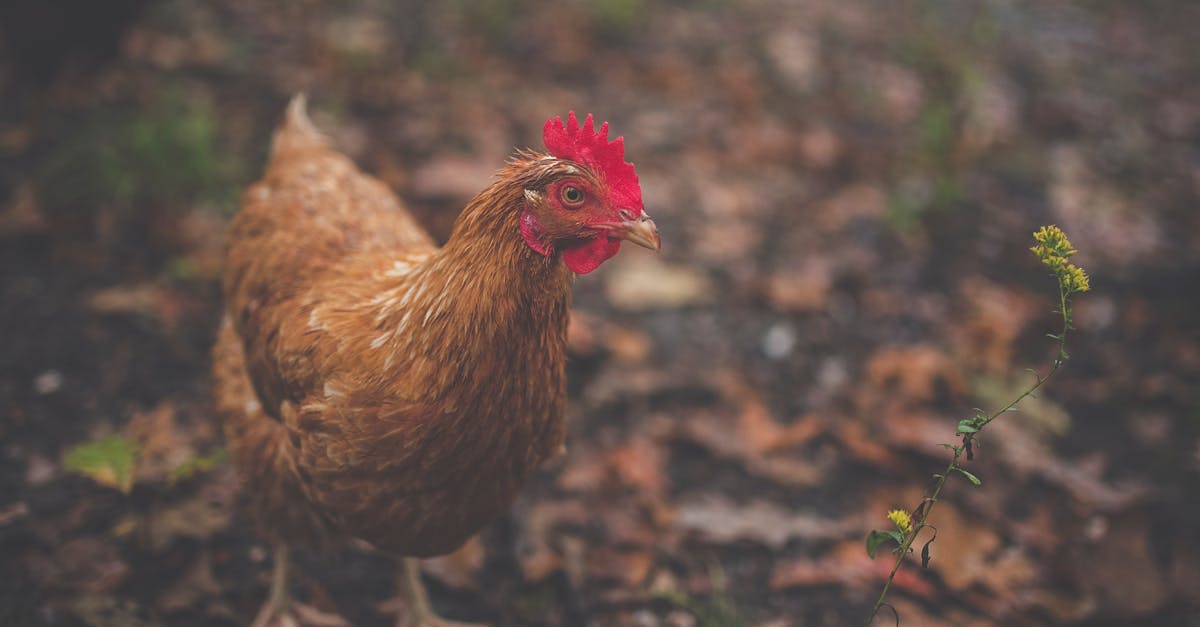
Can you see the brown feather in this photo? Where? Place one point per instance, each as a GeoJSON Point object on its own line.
{"type": "Point", "coordinates": [372, 384]}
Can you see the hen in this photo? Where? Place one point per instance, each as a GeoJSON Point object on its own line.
{"type": "Point", "coordinates": [375, 386]}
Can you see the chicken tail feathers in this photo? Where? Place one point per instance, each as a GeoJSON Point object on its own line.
{"type": "Point", "coordinates": [297, 132]}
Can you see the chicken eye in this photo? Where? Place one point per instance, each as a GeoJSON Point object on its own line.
{"type": "Point", "coordinates": [572, 195]}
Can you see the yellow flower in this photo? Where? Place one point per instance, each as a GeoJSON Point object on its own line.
{"type": "Point", "coordinates": [901, 519]}
{"type": "Point", "coordinates": [1052, 243]}
{"type": "Point", "coordinates": [1053, 249]}
{"type": "Point", "coordinates": [1076, 279]}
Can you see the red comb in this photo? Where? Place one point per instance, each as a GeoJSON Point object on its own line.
{"type": "Point", "coordinates": [590, 147]}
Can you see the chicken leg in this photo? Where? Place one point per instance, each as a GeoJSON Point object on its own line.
{"type": "Point", "coordinates": [281, 611]}
{"type": "Point", "coordinates": [417, 610]}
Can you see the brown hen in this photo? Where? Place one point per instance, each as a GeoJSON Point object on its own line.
{"type": "Point", "coordinates": [375, 386]}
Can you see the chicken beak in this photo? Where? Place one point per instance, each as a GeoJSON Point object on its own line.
{"type": "Point", "coordinates": [643, 232]}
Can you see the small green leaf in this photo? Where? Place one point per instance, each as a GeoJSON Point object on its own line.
{"type": "Point", "coordinates": [198, 465]}
{"type": "Point", "coordinates": [970, 477]}
{"type": "Point", "coordinates": [967, 426]}
{"type": "Point", "coordinates": [108, 461]}
{"type": "Point", "coordinates": [877, 537]}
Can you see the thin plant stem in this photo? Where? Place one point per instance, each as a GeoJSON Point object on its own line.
{"type": "Point", "coordinates": [928, 503]}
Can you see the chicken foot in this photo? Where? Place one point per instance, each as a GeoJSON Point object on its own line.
{"type": "Point", "coordinates": [417, 611]}
{"type": "Point", "coordinates": [281, 611]}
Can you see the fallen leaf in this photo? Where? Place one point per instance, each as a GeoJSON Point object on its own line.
{"type": "Point", "coordinates": [540, 529]}
{"type": "Point", "coordinates": [84, 565]}
{"type": "Point", "coordinates": [643, 282]}
{"type": "Point", "coordinates": [453, 176]}
{"type": "Point", "coordinates": [199, 517]}
{"type": "Point", "coordinates": [106, 610]}
{"type": "Point", "coordinates": [582, 332]}
{"type": "Point", "coordinates": [863, 445]}
{"type": "Point", "coordinates": [628, 345]}
{"type": "Point", "coordinates": [847, 565]}
{"type": "Point", "coordinates": [805, 288]}
{"type": "Point", "coordinates": [161, 447]}
{"type": "Point", "coordinates": [1021, 448]}
{"type": "Point", "coordinates": [914, 613]}
{"type": "Point", "coordinates": [145, 299]}
{"type": "Point", "coordinates": [720, 520]}
{"type": "Point", "coordinates": [1039, 411]}
{"type": "Point", "coordinates": [914, 372]}
{"type": "Point", "coordinates": [458, 569]}
{"type": "Point", "coordinates": [987, 336]}
{"type": "Point", "coordinates": [625, 566]}
{"type": "Point", "coordinates": [109, 461]}
{"type": "Point", "coordinates": [853, 202]}
{"type": "Point", "coordinates": [754, 439]}
{"type": "Point", "coordinates": [198, 584]}
{"type": "Point", "coordinates": [638, 463]}
{"type": "Point", "coordinates": [23, 217]}
{"type": "Point", "coordinates": [13, 512]}
{"type": "Point", "coordinates": [1104, 568]}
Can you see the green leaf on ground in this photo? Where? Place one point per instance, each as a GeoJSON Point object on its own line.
{"type": "Point", "coordinates": [109, 461]}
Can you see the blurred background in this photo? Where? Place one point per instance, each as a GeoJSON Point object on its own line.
{"type": "Point", "coordinates": [846, 193]}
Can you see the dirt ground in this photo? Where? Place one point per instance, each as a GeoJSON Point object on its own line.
{"type": "Point", "coordinates": [846, 192]}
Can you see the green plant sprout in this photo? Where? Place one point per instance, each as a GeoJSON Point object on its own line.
{"type": "Point", "coordinates": [718, 611]}
{"type": "Point", "coordinates": [1053, 249]}
{"type": "Point", "coordinates": [109, 461]}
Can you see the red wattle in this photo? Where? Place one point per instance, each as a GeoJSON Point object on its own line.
{"type": "Point", "coordinates": [588, 254]}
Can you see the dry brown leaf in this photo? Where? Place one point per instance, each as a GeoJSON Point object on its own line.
{"type": "Point", "coordinates": [582, 332]}
{"type": "Point", "coordinates": [22, 217]}
{"type": "Point", "coordinates": [146, 299]}
{"type": "Point", "coordinates": [1185, 568]}
{"type": "Point", "coordinates": [586, 334]}
{"type": "Point", "coordinates": [1104, 569]}
{"type": "Point", "coordinates": [454, 176]}
{"type": "Point", "coordinates": [821, 147]}
{"type": "Point", "coordinates": [998, 315]}
{"type": "Point", "coordinates": [803, 289]}
{"type": "Point", "coordinates": [863, 445]}
{"type": "Point", "coordinates": [539, 529]}
{"type": "Point", "coordinates": [847, 565]}
{"type": "Point", "coordinates": [912, 613]}
{"type": "Point", "coordinates": [640, 282]}
{"type": "Point", "coordinates": [918, 430]}
{"type": "Point", "coordinates": [915, 372]}
{"type": "Point", "coordinates": [1023, 449]}
{"type": "Point", "coordinates": [161, 447]}
{"type": "Point", "coordinates": [198, 584]}
{"type": "Point", "coordinates": [84, 565]}
{"type": "Point", "coordinates": [627, 567]}
{"type": "Point", "coordinates": [963, 551]}
{"type": "Point", "coordinates": [860, 200]}
{"type": "Point", "coordinates": [638, 463]}
{"type": "Point", "coordinates": [754, 439]}
{"type": "Point", "coordinates": [720, 520]}
{"type": "Point", "coordinates": [458, 569]}
{"type": "Point", "coordinates": [13, 512]}
{"type": "Point", "coordinates": [199, 517]}
{"type": "Point", "coordinates": [628, 345]}
{"type": "Point", "coordinates": [584, 469]}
